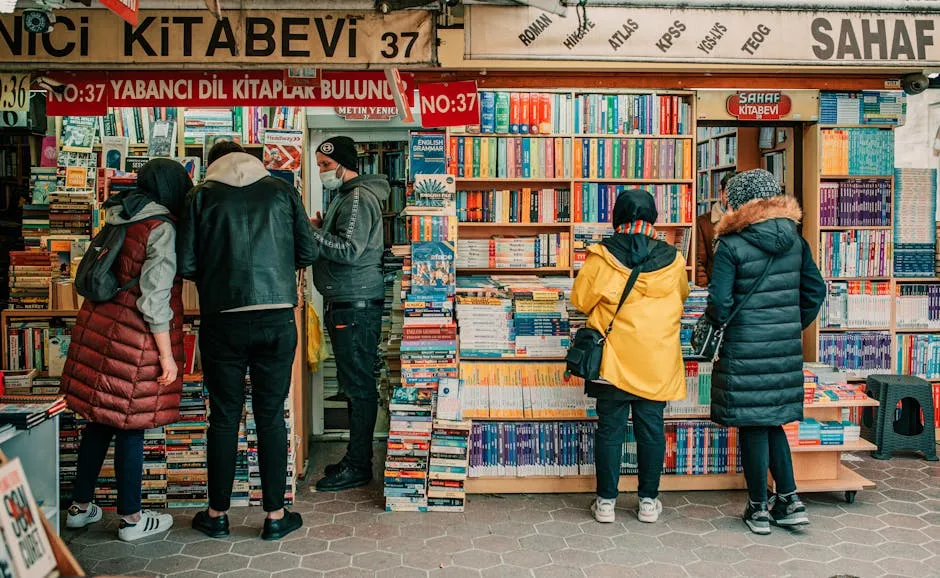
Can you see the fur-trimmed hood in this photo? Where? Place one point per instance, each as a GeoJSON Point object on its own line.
{"type": "Point", "coordinates": [770, 224]}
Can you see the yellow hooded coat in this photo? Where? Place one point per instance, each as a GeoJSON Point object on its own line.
{"type": "Point", "coordinates": [642, 354]}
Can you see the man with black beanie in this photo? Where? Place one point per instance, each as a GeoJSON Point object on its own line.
{"type": "Point", "coordinates": [348, 273]}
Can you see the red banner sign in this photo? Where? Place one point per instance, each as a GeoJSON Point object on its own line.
{"type": "Point", "coordinates": [127, 9]}
{"type": "Point", "coordinates": [449, 104]}
{"type": "Point", "coordinates": [91, 93]}
{"type": "Point", "coordinates": [759, 105]}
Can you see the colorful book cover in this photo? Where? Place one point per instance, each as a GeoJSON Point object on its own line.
{"type": "Point", "coordinates": [213, 138]}
{"type": "Point", "coordinates": [428, 154]}
{"type": "Point", "coordinates": [78, 133]}
{"type": "Point", "coordinates": [50, 152]}
{"type": "Point", "coordinates": [193, 166]}
{"type": "Point", "coordinates": [113, 152]}
{"type": "Point", "coordinates": [434, 191]}
{"type": "Point", "coordinates": [432, 271]}
{"type": "Point", "coordinates": [22, 527]}
{"type": "Point", "coordinates": [58, 352]}
{"type": "Point", "coordinates": [283, 149]}
{"type": "Point", "coordinates": [162, 139]}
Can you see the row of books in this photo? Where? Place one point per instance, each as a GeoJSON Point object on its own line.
{"type": "Point", "coordinates": [594, 202]}
{"type": "Point", "coordinates": [915, 227]}
{"type": "Point", "coordinates": [133, 123]}
{"type": "Point", "coordinates": [525, 113]}
{"type": "Point", "coordinates": [812, 432]}
{"type": "Point", "coordinates": [857, 304]}
{"type": "Point", "coordinates": [857, 253]}
{"type": "Point", "coordinates": [857, 151]}
{"type": "Point", "coordinates": [698, 391]}
{"type": "Point", "coordinates": [858, 353]}
{"type": "Point", "coordinates": [528, 252]}
{"type": "Point", "coordinates": [918, 306]}
{"type": "Point", "coordinates": [719, 152]}
{"type": "Point", "coordinates": [919, 355]}
{"type": "Point", "coordinates": [449, 464]}
{"type": "Point", "coordinates": [425, 228]}
{"type": "Point", "coordinates": [876, 107]}
{"type": "Point", "coordinates": [510, 157]}
{"type": "Point", "coordinates": [693, 448]}
{"type": "Point", "coordinates": [521, 449]}
{"type": "Point", "coordinates": [511, 390]}
{"type": "Point", "coordinates": [864, 203]}
{"type": "Point", "coordinates": [525, 205]}
{"type": "Point", "coordinates": [648, 114]}
{"type": "Point", "coordinates": [30, 278]}
{"type": "Point", "coordinates": [626, 158]}
{"type": "Point", "coordinates": [249, 122]}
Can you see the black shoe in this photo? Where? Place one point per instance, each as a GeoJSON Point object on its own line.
{"type": "Point", "coordinates": [346, 478]}
{"type": "Point", "coordinates": [212, 527]}
{"type": "Point", "coordinates": [333, 469]}
{"type": "Point", "coordinates": [757, 518]}
{"type": "Point", "coordinates": [787, 511]}
{"type": "Point", "coordinates": [277, 529]}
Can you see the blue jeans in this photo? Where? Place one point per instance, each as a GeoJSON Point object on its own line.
{"type": "Point", "coordinates": [128, 465]}
{"type": "Point", "coordinates": [612, 415]}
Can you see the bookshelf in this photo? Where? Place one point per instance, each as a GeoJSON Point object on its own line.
{"type": "Point", "coordinates": [719, 151]}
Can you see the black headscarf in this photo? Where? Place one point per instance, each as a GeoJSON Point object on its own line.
{"type": "Point", "coordinates": [163, 181]}
{"type": "Point", "coordinates": [631, 250]}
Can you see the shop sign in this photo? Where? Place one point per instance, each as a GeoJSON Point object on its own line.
{"type": "Point", "coordinates": [14, 92]}
{"type": "Point", "coordinates": [445, 104]}
{"type": "Point", "coordinates": [194, 38]}
{"type": "Point", "coordinates": [92, 93]}
{"type": "Point", "coordinates": [126, 9]}
{"type": "Point", "coordinates": [367, 112]}
{"type": "Point", "coordinates": [759, 105]}
{"type": "Point", "coordinates": [702, 35]}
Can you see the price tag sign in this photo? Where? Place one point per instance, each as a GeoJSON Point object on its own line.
{"type": "Point", "coordinates": [14, 92]}
{"type": "Point", "coordinates": [449, 104]}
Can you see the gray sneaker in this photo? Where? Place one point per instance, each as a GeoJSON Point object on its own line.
{"type": "Point", "coordinates": [757, 518]}
{"type": "Point", "coordinates": [787, 511]}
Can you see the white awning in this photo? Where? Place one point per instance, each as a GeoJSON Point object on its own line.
{"type": "Point", "coordinates": [909, 6]}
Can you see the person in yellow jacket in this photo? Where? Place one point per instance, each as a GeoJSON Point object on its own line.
{"type": "Point", "coordinates": [642, 366]}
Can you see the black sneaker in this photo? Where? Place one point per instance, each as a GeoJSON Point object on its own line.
{"type": "Point", "coordinates": [757, 518]}
{"type": "Point", "coordinates": [277, 529]}
{"type": "Point", "coordinates": [333, 469]}
{"type": "Point", "coordinates": [212, 527]}
{"type": "Point", "coordinates": [344, 479]}
{"type": "Point", "coordinates": [787, 511]}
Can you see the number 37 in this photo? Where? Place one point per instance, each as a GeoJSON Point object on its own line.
{"type": "Point", "coordinates": [391, 41]}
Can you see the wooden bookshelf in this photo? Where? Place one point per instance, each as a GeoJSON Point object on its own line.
{"type": "Point", "coordinates": [746, 156]}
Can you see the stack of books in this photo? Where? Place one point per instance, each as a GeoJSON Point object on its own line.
{"type": "Point", "coordinates": [35, 225]}
{"type": "Point", "coordinates": [524, 449]}
{"type": "Point", "coordinates": [154, 479]}
{"type": "Point", "coordinates": [406, 470]}
{"type": "Point", "coordinates": [26, 412]}
{"type": "Point", "coordinates": [449, 465]}
{"type": "Point", "coordinates": [30, 277]}
{"type": "Point", "coordinates": [486, 326]}
{"type": "Point", "coordinates": [532, 252]}
{"type": "Point", "coordinates": [692, 311]}
{"type": "Point", "coordinates": [587, 234]}
{"type": "Point", "coordinates": [698, 398]}
{"type": "Point", "coordinates": [17, 383]}
{"type": "Point", "coordinates": [510, 157]}
{"type": "Point", "coordinates": [70, 213]}
{"type": "Point", "coordinates": [918, 306]}
{"type": "Point", "coordinates": [857, 152]}
{"type": "Point", "coordinates": [70, 436]}
{"type": "Point", "coordinates": [540, 316]}
{"type": "Point", "coordinates": [810, 384]}
{"type": "Point", "coordinates": [187, 474]}
{"type": "Point", "coordinates": [199, 122]}
{"type": "Point", "coordinates": [915, 227]}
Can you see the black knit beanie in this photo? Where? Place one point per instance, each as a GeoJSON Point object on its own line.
{"type": "Point", "coordinates": [341, 149]}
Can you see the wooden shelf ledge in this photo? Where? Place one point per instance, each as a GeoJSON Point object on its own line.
{"type": "Point", "coordinates": [859, 446]}
{"type": "Point", "coordinates": [587, 484]}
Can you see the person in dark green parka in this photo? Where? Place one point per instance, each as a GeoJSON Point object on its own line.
{"type": "Point", "coordinates": [757, 382]}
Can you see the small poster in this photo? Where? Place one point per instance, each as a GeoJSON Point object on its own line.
{"type": "Point", "coordinates": [428, 154]}
{"type": "Point", "coordinates": [113, 152]}
{"type": "Point", "coordinates": [283, 149]}
{"type": "Point", "coordinates": [22, 527]}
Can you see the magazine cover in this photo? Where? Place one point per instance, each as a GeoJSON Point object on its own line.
{"type": "Point", "coordinates": [23, 532]}
{"type": "Point", "coordinates": [132, 164]}
{"type": "Point", "coordinates": [428, 154]}
{"type": "Point", "coordinates": [50, 152]}
{"type": "Point", "coordinates": [283, 149]}
{"type": "Point", "coordinates": [113, 152]}
{"type": "Point", "coordinates": [213, 138]}
{"type": "Point", "coordinates": [432, 271]}
{"type": "Point", "coordinates": [193, 166]}
{"type": "Point", "coordinates": [78, 133]}
{"type": "Point", "coordinates": [58, 352]}
{"type": "Point", "coordinates": [162, 139]}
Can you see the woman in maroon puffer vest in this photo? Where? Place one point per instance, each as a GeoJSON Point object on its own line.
{"type": "Point", "coordinates": [122, 371]}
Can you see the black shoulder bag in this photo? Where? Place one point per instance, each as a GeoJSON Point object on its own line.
{"type": "Point", "coordinates": [587, 349]}
{"type": "Point", "coordinates": [707, 337]}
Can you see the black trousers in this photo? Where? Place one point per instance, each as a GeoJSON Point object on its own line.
{"type": "Point", "coordinates": [128, 465]}
{"type": "Point", "coordinates": [354, 334]}
{"type": "Point", "coordinates": [764, 448]}
{"type": "Point", "coordinates": [263, 343]}
{"type": "Point", "coordinates": [612, 415]}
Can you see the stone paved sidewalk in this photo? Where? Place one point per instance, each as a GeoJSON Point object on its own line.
{"type": "Point", "coordinates": [891, 531]}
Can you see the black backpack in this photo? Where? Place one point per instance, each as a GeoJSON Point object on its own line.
{"type": "Point", "coordinates": [95, 280]}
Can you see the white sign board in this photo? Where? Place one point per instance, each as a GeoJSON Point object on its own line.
{"type": "Point", "coordinates": [751, 36]}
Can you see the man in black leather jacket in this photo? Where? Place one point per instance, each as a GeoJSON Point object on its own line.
{"type": "Point", "coordinates": [243, 236]}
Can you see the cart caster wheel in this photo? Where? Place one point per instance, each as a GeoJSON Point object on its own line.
{"type": "Point", "coordinates": [850, 497]}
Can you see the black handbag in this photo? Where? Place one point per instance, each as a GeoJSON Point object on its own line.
{"type": "Point", "coordinates": [587, 349]}
{"type": "Point", "coordinates": [708, 337]}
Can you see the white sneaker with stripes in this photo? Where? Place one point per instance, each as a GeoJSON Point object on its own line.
{"type": "Point", "coordinates": [150, 524]}
{"type": "Point", "coordinates": [80, 518]}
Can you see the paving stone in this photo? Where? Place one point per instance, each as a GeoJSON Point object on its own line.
{"type": "Point", "coordinates": [449, 544]}
{"type": "Point", "coordinates": [224, 563]}
{"type": "Point", "coordinates": [589, 543]}
{"type": "Point", "coordinates": [376, 531]}
{"type": "Point", "coordinates": [542, 543]}
{"type": "Point", "coordinates": [194, 574]}
{"type": "Point", "coordinates": [304, 546]}
{"type": "Point", "coordinates": [376, 560]}
{"type": "Point", "coordinates": [350, 573]}
{"type": "Point", "coordinates": [325, 561]}
{"type": "Point", "coordinates": [576, 515]}
{"type": "Point", "coordinates": [906, 551]}
{"type": "Point", "coordinates": [769, 554]}
{"type": "Point", "coordinates": [275, 562]}
{"type": "Point", "coordinates": [123, 565]}
{"type": "Point", "coordinates": [574, 558]}
{"type": "Point", "coordinates": [505, 571]}
{"type": "Point", "coordinates": [171, 564]}
{"type": "Point", "coordinates": [711, 568]}
{"type": "Point", "coordinates": [513, 529]}
{"type": "Point", "coordinates": [556, 528]}
{"type": "Point", "coordinates": [681, 540]}
{"type": "Point", "coordinates": [660, 570]}
{"type": "Point", "coordinates": [529, 516]}
{"type": "Point", "coordinates": [858, 536]}
{"type": "Point", "coordinates": [110, 549]}
{"type": "Point", "coordinates": [157, 549]}
{"type": "Point", "coordinates": [477, 559]}
{"type": "Point", "coordinates": [401, 572]}
{"type": "Point", "coordinates": [762, 569]}
{"type": "Point", "coordinates": [805, 569]}
{"type": "Point", "coordinates": [297, 573]}
{"type": "Point", "coordinates": [472, 529]}
{"type": "Point", "coordinates": [495, 543]}
{"type": "Point", "coordinates": [454, 572]}
{"type": "Point", "coordinates": [426, 560]}
{"type": "Point", "coordinates": [353, 545]}
{"type": "Point", "coordinates": [330, 532]}
{"type": "Point", "coordinates": [611, 571]}
{"type": "Point", "coordinates": [527, 558]}
{"type": "Point", "coordinates": [671, 555]}
{"type": "Point", "coordinates": [206, 548]}
{"type": "Point", "coordinates": [558, 572]}
{"type": "Point", "coordinates": [719, 554]}
{"type": "Point", "coordinates": [904, 567]}
{"type": "Point", "coordinates": [811, 552]}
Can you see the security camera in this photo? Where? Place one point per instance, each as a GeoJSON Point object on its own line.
{"type": "Point", "coordinates": [38, 21]}
{"type": "Point", "coordinates": [915, 83]}
{"type": "Point", "coordinates": [50, 84]}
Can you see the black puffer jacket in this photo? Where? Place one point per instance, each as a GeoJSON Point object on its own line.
{"type": "Point", "coordinates": [758, 380]}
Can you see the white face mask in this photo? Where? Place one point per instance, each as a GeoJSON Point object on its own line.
{"type": "Point", "coordinates": [331, 180]}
